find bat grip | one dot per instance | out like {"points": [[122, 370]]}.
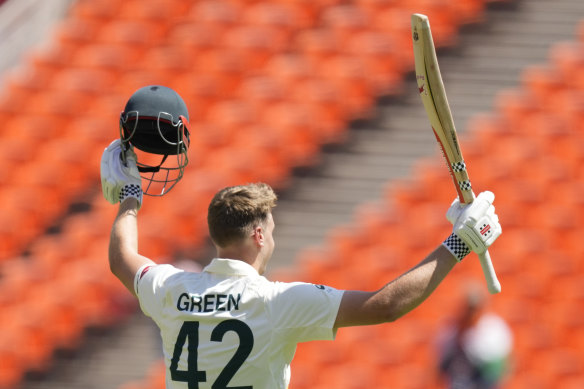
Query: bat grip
{"points": [[489, 271]]}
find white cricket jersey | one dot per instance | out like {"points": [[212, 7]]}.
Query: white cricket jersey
{"points": [[230, 327]]}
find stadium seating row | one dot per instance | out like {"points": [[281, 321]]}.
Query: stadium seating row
{"points": [[330, 75]]}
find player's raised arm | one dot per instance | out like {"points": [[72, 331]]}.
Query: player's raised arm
{"points": [[154, 123], [121, 183], [476, 227]]}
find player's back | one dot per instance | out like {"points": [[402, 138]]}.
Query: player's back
{"points": [[230, 327]]}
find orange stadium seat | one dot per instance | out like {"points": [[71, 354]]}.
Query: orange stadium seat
{"points": [[12, 368], [229, 117], [24, 220], [97, 11], [74, 32], [226, 67], [261, 92], [542, 83], [380, 59], [167, 11], [105, 57], [200, 38], [222, 14], [470, 11], [566, 58], [255, 45], [171, 59], [323, 100], [275, 16], [134, 33], [515, 107], [345, 73], [289, 69], [317, 45], [344, 21], [310, 10], [63, 103], [291, 124], [372, 7], [444, 20], [394, 23], [13, 97]]}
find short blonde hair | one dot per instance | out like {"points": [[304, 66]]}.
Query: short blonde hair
{"points": [[234, 211]]}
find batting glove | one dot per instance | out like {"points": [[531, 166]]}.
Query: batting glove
{"points": [[476, 226], [120, 180]]}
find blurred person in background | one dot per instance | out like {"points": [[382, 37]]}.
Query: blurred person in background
{"points": [[475, 348]]}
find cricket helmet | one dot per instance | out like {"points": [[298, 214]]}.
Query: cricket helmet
{"points": [[155, 123]]}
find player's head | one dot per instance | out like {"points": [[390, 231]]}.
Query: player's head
{"points": [[234, 213], [155, 122]]}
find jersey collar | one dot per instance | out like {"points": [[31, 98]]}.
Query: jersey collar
{"points": [[231, 267]]}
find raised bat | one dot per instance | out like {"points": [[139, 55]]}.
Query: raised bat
{"points": [[431, 88]]}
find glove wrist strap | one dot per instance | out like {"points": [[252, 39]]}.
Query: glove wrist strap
{"points": [[131, 190], [456, 246]]}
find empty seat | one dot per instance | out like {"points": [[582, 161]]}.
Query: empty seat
{"points": [[344, 21], [542, 83], [222, 14], [380, 59], [227, 68], [324, 101], [289, 69], [199, 38], [110, 57], [346, 74], [261, 92], [276, 16], [255, 45], [165, 12], [317, 45], [135, 33], [76, 31], [98, 11]]}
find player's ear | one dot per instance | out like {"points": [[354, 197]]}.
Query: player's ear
{"points": [[258, 236]]}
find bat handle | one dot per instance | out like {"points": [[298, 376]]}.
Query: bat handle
{"points": [[489, 271]]}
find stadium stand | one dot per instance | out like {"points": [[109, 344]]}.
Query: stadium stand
{"points": [[248, 85], [538, 256]]}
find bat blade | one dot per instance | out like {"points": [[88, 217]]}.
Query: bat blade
{"points": [[433, 94]]}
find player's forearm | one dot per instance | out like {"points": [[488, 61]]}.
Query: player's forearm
{"points": [[409, 290], [124, 234], [124, 238], [397, 297]]}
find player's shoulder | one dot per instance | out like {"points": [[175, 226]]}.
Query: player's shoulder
{"points": [[156, 270], [156, 275]]}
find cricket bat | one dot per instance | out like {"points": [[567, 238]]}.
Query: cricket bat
{"points": [[433, 95]]}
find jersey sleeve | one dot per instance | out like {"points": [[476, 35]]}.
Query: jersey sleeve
{"points": [[303, 312], [149, 283]]}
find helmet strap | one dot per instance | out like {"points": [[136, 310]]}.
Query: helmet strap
{"points": [[152, 169]]}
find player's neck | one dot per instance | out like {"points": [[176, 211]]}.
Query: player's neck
{"points": [[242, 253]]}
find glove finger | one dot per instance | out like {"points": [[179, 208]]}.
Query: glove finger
{"points": [[487, 196], [131, 155], [110, 192], [454, 211]]}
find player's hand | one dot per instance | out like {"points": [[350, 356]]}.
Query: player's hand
{"points": [[120, 180], [476, 224]]}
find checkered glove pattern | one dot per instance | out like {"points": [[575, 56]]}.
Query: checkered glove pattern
{"points": [[456, 246], [131, 190], [120, 180], [476, 224]]}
